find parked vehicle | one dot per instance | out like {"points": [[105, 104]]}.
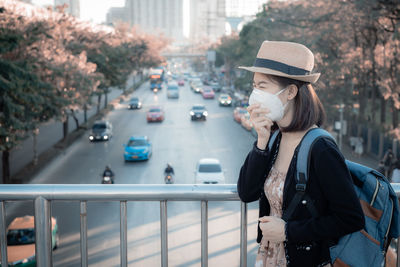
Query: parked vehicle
{"points": [[198, 112], [101, 131], [155, 113], [209, 171], [134, 103], [21, 241], [138, 148]]}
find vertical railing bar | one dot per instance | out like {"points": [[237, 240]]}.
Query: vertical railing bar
{"points": [[243, 234], [123, 234], [398, 250], [3, 234], [83, 237], [204, 233], [43, 232], [164, 233]]}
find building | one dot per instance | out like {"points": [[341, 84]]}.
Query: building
{"points": [[116, 14], [72, 6], [241, 8], [239, 12], [207, 20], [157, 16]]}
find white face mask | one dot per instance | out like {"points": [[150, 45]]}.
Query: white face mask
{"points": [[270, 101]]}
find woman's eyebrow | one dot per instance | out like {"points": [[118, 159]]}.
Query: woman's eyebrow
{"points": [[261, 82]]}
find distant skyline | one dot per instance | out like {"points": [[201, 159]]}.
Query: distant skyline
{"points": [[96, 15]]}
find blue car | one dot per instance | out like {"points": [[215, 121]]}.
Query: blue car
{"points": [[138, 148]]}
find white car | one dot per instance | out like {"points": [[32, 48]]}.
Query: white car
{"points": [[209, 171]]}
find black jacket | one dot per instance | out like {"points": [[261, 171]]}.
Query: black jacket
{"points": [[329, 186]]}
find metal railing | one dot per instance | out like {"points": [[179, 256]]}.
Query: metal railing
{"points": [[42, 195]]}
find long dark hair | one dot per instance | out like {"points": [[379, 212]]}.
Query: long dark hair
{"points": [[308, 109]]}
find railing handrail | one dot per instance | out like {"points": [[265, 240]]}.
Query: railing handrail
{"points": [[119, 192], [43, 194]]}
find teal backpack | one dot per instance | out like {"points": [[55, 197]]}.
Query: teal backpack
{"points": [[378, 200]]}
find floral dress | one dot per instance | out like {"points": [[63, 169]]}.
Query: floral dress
{"points": [[273, 254]]}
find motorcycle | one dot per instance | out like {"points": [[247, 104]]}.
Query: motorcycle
{"points": [[155, 90], [169, 179], [107, 180]]}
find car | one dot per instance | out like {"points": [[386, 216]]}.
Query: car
{"points": [[225, 100], [198, 112], [138, 148], [209, 171], [101, 131], [155, 113], [238, 112], [208, 93], [215, 86], [173, 90], [21, 240], [181, 82], [197, 86], [134, 103], [245, 121]]}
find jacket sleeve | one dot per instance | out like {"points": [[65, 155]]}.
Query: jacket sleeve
{"points": [[252, 174], [344, 215]]}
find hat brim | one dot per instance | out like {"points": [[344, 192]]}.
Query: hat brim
{"points": [[311, 78]]}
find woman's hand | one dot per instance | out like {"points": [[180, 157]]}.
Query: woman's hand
{"points": [[273, 228], [261, 123]]}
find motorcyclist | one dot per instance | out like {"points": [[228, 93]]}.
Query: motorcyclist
{"points": [[169, 169], [108, 172]]}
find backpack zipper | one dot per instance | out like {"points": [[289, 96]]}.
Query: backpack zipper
{"points": [[375, 193]]}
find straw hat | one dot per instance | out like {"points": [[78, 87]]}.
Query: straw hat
{"points": [[285, 59]]}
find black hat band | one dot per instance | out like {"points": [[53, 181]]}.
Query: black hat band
{"points": [[278, 66]]}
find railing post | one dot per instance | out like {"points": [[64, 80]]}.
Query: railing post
{"points": [[243, 234], [204, 233], [123, 234], [43, 232], [84, 248], [398, 251], [164, 233], [3, 234]]}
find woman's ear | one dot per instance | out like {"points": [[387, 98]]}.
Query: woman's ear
{"points": [[292, 91]]}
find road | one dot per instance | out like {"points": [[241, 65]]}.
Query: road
{"points": [[51, 132], [177, 140]]}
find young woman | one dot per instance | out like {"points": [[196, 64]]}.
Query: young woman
{"points": [[284, 98]]}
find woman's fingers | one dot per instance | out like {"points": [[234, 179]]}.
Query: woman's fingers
{"points": [[258, 112], [261, 122]]}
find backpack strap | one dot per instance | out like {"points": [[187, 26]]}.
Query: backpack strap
{"points": [[302, 171], [272, 139]]}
